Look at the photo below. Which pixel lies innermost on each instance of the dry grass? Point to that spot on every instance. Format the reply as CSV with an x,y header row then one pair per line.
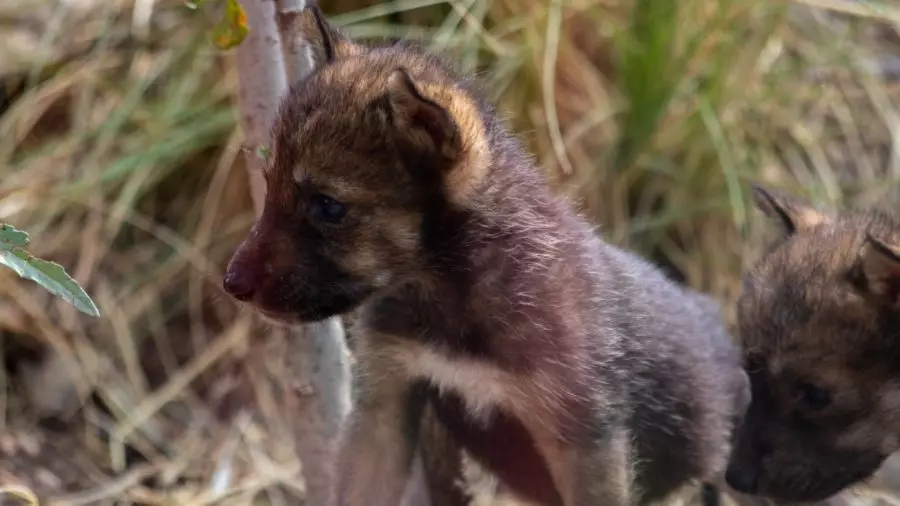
x,y
119,151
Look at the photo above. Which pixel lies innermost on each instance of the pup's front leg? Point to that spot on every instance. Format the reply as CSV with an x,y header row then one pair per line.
x,y
377,446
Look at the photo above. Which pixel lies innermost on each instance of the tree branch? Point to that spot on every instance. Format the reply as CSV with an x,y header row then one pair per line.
x,y
261,84
318,357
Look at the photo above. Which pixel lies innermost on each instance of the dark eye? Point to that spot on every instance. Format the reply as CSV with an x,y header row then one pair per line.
x,y
814,397
326,209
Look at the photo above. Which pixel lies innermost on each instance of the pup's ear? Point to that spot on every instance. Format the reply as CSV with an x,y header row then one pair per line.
x,y
791,214
880,263
307,29
419,121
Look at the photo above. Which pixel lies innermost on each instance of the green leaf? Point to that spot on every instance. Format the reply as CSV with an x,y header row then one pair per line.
x,y
233,28
49,275
11,237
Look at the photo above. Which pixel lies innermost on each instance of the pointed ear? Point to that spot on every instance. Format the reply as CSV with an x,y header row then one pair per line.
x,y
881,267
308,28
791,214
420,121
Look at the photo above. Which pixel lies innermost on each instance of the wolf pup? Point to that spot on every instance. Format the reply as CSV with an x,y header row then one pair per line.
x,y
819,322
574,371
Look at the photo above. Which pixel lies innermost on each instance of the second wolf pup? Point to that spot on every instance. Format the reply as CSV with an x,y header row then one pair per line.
x,y
819,320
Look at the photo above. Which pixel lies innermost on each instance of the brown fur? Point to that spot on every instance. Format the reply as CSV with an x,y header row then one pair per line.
x,y
819,324
574,371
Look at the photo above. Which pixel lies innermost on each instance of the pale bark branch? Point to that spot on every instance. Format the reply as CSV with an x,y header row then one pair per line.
x,y
261,83
318,357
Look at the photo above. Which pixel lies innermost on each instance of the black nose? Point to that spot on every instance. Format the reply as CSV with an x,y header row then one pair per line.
x,y
743,479
239,285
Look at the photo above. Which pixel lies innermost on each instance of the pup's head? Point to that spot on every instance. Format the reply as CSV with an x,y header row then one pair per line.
x,y
370,156
820,327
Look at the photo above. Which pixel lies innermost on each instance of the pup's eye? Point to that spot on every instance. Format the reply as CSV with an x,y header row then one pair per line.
x,y
327,209
814,397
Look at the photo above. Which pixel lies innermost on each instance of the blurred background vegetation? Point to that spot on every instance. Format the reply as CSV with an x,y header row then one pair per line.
x,y
119,151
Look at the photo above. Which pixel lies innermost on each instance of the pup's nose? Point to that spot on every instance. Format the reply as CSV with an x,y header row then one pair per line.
x,y
743,479
239,284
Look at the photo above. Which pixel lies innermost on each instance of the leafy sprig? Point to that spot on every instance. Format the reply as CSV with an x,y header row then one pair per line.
x,y
50,275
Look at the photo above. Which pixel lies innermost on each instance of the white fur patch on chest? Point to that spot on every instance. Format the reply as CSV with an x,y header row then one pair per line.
x,y
483,387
